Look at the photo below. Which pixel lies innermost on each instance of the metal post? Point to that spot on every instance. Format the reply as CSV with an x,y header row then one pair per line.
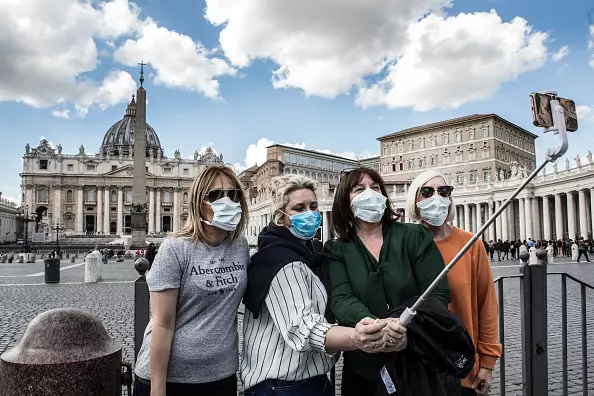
x,y
534,324
141,304
526,306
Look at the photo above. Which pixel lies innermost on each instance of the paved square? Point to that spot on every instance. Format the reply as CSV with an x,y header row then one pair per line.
x,y
24,295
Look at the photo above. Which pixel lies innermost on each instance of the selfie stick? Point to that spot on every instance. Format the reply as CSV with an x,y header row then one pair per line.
x,y
553,154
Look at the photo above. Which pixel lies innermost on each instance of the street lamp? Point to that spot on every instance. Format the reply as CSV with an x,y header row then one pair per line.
x,y
58,227
26,218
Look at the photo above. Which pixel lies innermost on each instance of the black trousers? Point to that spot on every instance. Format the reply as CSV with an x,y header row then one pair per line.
x,y
585,253
224,387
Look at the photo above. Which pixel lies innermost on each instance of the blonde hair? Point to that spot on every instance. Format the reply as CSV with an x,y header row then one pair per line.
x,y
413,193
194,227
282,187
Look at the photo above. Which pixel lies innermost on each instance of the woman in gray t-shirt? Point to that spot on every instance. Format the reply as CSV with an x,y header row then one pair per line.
x,y
196,284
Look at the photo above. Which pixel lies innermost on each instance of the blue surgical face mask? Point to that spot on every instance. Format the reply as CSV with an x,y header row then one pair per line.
x,y
304,225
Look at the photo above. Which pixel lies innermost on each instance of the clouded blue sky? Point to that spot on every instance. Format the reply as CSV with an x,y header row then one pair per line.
x,y
239,75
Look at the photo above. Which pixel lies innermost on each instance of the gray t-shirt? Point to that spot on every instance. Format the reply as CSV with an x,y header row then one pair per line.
x,y
211,283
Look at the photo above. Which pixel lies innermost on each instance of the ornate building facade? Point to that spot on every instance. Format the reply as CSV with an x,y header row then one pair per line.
x,y
9,223
559,203
468,149
92,194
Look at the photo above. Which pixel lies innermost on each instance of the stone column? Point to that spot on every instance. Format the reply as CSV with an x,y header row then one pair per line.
x,y
498,221
107,203
151,219
467,218
546,214
79,210
592,208
583,215
158,211
99,209
57,204
571,216
176,209
558,216
29,198
325,226
120,219
529,216
504,224
492,225
536,219
479,219
522,220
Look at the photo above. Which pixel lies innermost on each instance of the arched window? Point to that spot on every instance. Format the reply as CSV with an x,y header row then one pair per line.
x,y
43,195
185,198
69,196
114,196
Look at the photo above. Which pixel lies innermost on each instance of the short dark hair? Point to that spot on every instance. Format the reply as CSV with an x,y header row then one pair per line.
x,y
343,218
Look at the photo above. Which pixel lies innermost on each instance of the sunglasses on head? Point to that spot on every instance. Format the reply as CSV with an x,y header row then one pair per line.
x,y
444,191
216,194
345,172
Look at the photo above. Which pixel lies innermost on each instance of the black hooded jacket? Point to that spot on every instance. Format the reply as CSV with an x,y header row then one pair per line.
x,y
438,346
277,247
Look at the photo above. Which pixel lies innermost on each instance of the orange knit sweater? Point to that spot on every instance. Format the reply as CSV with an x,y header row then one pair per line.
x,y
473,297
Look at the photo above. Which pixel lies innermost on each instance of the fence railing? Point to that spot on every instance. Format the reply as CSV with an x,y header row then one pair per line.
x,y
533,313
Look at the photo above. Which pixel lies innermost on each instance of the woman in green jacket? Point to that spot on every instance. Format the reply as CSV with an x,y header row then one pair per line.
x,y
376,264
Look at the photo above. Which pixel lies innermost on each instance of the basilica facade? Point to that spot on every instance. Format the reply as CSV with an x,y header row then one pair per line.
x,y
92,194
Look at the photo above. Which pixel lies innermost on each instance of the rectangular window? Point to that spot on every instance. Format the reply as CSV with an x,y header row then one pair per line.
x,y
114,167
43,164
186,172
486,173
485,132
444,139
166,171
410,164
91,167
432,161
472,177
70,167
393,167
458,137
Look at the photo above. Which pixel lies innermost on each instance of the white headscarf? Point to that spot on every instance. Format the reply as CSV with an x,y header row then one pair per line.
x,y
413,192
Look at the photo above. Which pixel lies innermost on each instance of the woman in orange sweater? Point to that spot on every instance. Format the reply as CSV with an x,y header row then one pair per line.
x,y
471,281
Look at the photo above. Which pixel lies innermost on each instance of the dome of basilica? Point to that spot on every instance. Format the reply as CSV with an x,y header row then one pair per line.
x,y
119,139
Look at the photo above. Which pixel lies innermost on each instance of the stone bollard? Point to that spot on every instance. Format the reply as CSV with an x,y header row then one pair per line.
x,y
575,252
3,259
21,260
533,259
10,259
91,268
73,259
67,352
67,255
32,259
550,255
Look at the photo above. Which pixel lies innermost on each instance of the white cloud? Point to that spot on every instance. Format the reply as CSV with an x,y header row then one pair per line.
x,y
320,46
327,50
562,53
455,60
48,47
591,46
179,61
61,113
585,113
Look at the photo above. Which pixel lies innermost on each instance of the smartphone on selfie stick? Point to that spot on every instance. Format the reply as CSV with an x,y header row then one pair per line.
x,y
556,115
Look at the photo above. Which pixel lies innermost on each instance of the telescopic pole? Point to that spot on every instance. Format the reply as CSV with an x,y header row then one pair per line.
x,y
552,155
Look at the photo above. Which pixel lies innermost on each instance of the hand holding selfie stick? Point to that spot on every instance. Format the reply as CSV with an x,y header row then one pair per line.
x,y
553,154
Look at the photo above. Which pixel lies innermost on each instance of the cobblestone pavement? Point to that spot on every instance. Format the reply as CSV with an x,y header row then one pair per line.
x,y
23,295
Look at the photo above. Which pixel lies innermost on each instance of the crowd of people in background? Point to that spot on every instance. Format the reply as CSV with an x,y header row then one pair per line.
x,y
510,250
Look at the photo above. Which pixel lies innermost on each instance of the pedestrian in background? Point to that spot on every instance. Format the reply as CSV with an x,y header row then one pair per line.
x,y
471,280
196,283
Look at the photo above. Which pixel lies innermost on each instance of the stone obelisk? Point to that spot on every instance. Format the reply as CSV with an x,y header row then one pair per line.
x,y
138,211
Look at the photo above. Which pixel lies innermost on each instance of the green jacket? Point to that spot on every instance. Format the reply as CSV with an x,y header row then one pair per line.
x,y
361,287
